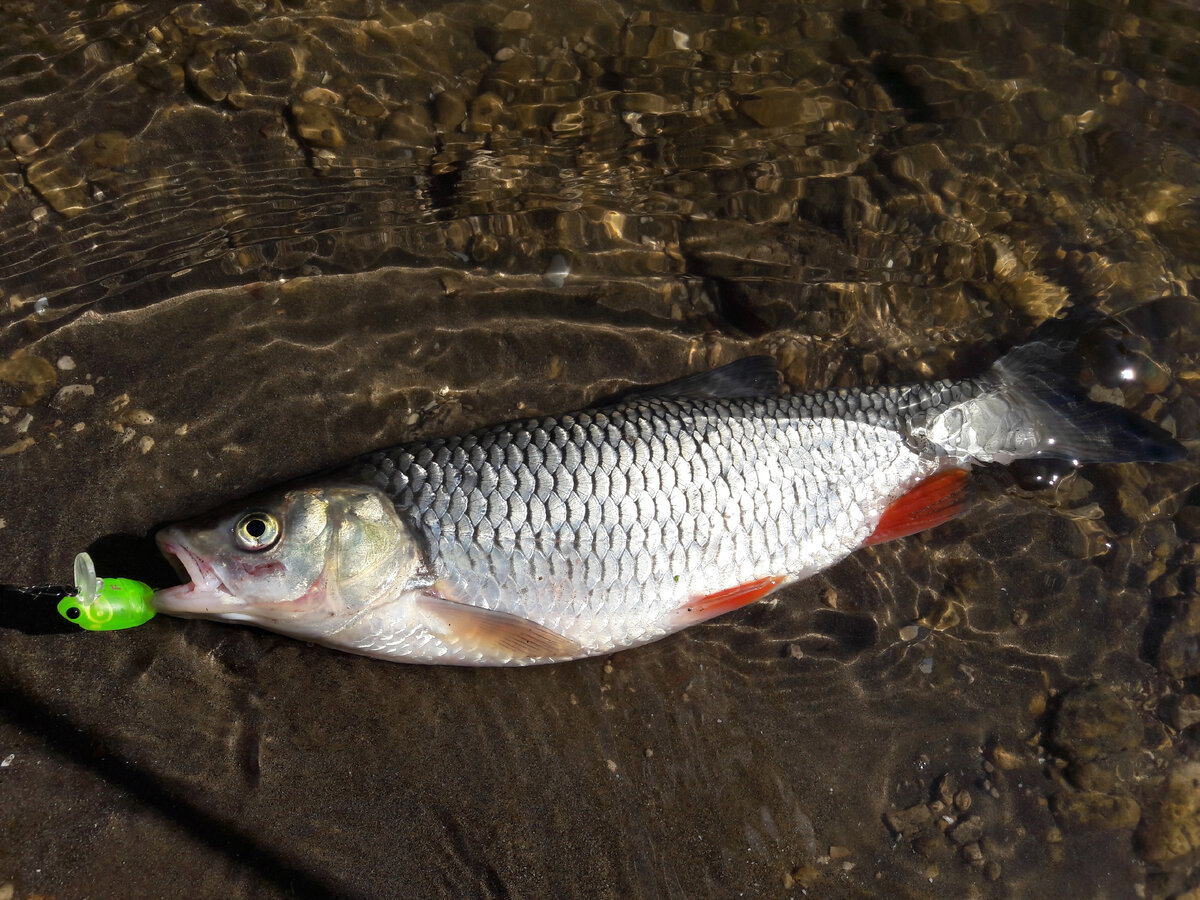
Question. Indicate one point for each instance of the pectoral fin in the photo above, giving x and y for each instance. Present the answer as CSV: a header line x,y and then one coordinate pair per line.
x,y
497,636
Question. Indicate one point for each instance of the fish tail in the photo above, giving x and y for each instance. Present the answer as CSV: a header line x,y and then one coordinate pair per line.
x,y
1030,405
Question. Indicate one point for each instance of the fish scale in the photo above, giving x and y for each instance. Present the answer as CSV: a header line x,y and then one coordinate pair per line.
x,y
683,499
572,535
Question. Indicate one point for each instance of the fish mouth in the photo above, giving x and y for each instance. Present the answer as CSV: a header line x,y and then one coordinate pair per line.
x,y
204,594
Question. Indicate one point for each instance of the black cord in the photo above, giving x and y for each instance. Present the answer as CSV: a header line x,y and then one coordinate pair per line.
x,y
34,609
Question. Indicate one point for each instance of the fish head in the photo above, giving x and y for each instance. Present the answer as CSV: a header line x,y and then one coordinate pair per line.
x,y
305,562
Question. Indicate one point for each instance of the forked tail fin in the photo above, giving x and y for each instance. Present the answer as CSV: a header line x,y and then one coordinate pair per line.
x,y
1027,407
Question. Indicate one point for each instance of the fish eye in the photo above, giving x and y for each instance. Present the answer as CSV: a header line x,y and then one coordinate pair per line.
x,y
256,531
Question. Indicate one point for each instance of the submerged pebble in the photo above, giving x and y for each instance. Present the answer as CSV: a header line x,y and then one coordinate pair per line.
x,y
1094,722
1170,830
18,447
69,393
317,125
25,379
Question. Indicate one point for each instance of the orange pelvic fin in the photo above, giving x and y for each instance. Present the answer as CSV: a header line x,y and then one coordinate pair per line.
x,y
701,609
937,499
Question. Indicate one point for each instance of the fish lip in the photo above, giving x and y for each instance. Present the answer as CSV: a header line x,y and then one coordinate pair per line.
x,y
204,594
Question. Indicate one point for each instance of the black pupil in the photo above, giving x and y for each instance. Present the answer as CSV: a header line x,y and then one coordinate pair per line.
x,y
256,528
73,612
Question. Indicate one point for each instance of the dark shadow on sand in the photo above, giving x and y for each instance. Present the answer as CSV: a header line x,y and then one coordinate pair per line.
x,y
64,737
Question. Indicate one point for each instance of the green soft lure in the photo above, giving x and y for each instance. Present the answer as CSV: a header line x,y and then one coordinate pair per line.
x,y
106,604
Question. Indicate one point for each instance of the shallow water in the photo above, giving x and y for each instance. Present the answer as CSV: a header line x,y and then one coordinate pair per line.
x,y
240,242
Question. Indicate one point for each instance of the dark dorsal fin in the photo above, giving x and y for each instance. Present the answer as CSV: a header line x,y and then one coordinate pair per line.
x,y
754,376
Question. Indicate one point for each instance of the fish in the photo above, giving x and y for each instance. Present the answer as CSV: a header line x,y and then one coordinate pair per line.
x,y
560,537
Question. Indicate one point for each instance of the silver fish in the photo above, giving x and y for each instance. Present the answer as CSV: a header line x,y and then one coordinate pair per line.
x,y
569,536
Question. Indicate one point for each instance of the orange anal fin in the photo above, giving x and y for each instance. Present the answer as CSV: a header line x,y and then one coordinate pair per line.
x,y
701,609
937,499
